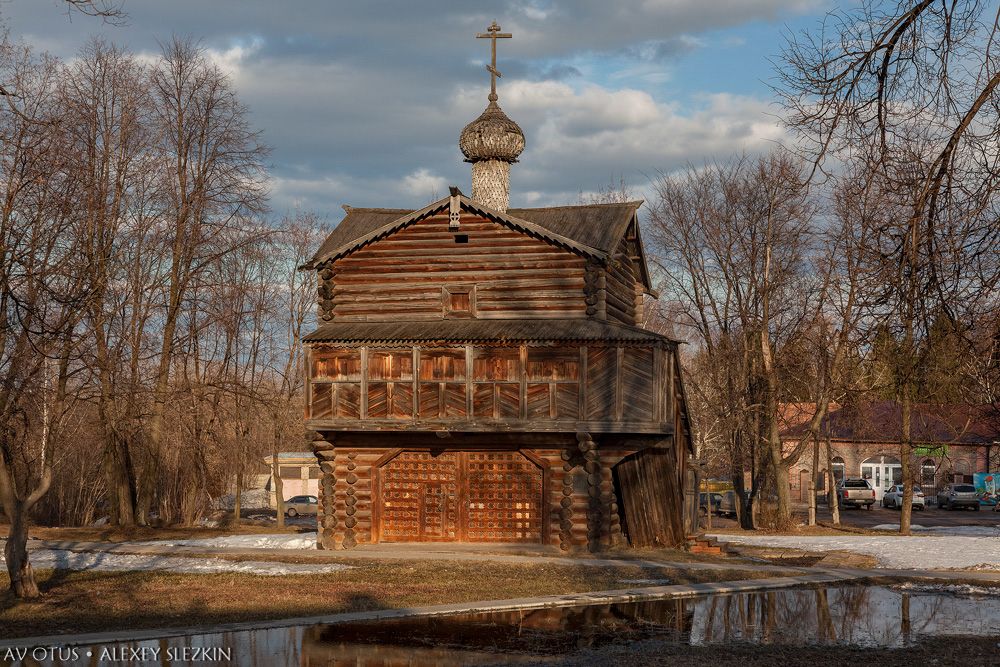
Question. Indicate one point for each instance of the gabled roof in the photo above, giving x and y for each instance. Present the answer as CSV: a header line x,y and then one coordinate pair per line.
x,y
592,230
469,331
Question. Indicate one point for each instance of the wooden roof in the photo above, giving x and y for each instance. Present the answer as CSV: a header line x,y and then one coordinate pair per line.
x,y
468,331
588,229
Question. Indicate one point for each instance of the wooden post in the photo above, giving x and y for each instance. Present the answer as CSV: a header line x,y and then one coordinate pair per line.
x,y
326,519
595,509
350,501
566,503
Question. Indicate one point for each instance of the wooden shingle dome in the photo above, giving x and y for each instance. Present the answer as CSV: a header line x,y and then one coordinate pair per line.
x,y
492,136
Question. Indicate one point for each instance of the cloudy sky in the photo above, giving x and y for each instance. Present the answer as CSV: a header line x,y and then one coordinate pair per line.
x,y
362,101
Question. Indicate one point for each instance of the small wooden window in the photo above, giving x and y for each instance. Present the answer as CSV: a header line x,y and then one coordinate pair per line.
x,y
459,301
442,365
338,366
290,472
390,365
553,365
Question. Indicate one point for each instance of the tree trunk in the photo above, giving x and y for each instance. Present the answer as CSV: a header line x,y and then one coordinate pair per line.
x,y
905,512
812,482
279,488
15,551
834,501
121,481
238,502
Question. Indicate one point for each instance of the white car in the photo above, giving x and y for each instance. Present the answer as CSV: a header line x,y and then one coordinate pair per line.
x,y
893,497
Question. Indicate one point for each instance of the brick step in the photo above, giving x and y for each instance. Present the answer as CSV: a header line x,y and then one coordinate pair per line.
x,y
700,544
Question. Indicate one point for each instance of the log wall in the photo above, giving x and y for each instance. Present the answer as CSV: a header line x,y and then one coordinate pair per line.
x,y
422,273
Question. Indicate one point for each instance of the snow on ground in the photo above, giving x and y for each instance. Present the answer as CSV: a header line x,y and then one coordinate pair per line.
x,y
955,589
69,560
969,531
893,551
263,541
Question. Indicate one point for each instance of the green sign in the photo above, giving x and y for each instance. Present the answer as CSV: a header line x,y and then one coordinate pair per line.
x,y
939,450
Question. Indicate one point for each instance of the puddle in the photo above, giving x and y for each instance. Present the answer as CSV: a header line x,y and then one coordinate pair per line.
x,y
849,615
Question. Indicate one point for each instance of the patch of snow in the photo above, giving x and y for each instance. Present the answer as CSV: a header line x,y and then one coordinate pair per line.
x,y
253,499
262,541
955,589
893,551
103,521
69,560
969,531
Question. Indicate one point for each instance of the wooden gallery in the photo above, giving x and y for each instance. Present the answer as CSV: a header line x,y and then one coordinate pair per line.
x,y
479,375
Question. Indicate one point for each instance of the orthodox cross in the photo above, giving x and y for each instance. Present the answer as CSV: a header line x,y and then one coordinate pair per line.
x,y
493,33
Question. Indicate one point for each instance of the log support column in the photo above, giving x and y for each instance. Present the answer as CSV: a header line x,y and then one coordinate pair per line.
x,y
350,503
566,503
326,519
598,501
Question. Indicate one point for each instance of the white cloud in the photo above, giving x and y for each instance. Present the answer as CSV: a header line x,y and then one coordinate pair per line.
x,y
424,183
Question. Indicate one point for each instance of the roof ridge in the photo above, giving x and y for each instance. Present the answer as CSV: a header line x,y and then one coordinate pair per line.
x,y
636,203
379,208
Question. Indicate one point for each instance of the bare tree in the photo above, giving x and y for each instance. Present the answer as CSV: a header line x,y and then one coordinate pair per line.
x,y
301,234
909,91
213,188
40,293
738,247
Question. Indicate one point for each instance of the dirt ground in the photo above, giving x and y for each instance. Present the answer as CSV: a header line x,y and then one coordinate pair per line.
x,y
91,601
942,651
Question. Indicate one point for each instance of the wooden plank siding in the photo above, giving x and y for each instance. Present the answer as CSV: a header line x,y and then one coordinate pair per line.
x,y
407,275
597,388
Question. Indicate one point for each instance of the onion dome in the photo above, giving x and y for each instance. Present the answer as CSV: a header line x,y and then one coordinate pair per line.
x,y
492,136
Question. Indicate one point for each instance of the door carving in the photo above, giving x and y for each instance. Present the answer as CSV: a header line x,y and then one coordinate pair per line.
x,y
461,496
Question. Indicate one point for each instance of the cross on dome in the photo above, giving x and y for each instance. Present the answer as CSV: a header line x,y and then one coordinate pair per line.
x,y
493,34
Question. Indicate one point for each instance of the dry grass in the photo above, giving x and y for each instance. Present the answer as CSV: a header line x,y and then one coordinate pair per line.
x,y
91,601
114,534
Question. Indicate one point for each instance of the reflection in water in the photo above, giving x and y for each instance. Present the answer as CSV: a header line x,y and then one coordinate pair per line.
x,y
840,615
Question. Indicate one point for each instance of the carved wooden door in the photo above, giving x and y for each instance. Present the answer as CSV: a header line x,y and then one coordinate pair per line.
x,y
504,492
420,497
501,495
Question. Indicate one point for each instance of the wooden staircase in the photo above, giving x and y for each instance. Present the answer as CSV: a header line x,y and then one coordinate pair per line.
x,y
700,544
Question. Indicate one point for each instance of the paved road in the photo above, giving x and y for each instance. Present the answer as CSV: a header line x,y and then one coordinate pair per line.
x,y
929,517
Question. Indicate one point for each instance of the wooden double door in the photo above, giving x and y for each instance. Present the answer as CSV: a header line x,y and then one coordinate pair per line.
x,y
464,496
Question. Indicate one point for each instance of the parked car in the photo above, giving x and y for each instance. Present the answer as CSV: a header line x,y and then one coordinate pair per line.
x,y
894,497
297,505
958,495
855,493
704,498
727,506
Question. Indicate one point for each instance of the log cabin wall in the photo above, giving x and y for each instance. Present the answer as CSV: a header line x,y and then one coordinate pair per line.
x,y
621,285
482,269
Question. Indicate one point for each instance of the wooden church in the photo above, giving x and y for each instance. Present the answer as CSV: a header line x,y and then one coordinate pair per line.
x,y
480,374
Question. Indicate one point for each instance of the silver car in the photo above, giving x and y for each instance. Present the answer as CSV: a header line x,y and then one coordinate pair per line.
x,y
893,497
297,505
958,495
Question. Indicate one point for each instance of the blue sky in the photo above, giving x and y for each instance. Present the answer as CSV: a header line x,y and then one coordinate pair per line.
x,y
363,102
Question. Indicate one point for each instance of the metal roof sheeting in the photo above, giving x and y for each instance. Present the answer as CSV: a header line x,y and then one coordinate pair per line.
x,y
454,331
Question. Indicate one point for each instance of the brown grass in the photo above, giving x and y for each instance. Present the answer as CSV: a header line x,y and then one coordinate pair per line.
x,y
114,534
91,601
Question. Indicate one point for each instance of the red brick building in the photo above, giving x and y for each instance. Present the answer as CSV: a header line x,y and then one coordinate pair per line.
x,y
951,443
